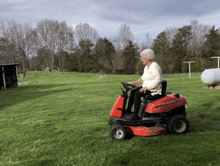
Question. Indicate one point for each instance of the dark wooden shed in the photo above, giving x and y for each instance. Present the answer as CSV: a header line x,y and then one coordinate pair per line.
x,y
8,76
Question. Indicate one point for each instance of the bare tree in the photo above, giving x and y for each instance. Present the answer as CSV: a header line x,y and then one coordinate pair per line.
x,y
24,39
125,35
170,35
117,44
147,43
63,36
46,38
120,43
8,47
18,37
199,32
56,37
85,32
118,62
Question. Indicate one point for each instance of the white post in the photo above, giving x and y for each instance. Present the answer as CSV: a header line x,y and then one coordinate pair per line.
x,y
17,73
190,67
218,59
189,71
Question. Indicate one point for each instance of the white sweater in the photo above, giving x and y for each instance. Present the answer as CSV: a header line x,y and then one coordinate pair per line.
x,y
152,78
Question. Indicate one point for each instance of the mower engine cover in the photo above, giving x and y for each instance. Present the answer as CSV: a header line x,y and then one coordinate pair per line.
x,y
166,104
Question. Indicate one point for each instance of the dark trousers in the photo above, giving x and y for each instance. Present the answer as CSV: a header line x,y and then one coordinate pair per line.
x,y
135,98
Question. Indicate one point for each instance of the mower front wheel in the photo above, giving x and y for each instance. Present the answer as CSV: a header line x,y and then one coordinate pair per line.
x,y
177,125
118,132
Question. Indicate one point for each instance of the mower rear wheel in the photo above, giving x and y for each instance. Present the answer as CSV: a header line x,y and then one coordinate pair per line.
x,y
177,125
118,132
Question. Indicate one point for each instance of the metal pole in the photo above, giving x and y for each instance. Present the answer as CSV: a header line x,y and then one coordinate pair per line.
x,y
3,75
218,60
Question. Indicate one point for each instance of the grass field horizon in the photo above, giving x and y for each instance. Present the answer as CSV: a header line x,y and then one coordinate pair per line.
x,y
62,119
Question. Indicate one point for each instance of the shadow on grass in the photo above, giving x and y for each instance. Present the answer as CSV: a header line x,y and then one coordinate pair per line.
x,y
24,93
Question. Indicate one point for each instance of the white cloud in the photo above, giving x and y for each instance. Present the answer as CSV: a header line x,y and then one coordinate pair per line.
x,y
9,2
210,19
152,16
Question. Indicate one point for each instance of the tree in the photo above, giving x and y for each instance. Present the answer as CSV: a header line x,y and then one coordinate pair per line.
x,y
44,57
56,37
47,39
66,61
180,46
212,43
8,51
131,57
171,34
125,35
148,43
104,54
161,47
212,47
64,39
85,32
199,32
22,39
85,56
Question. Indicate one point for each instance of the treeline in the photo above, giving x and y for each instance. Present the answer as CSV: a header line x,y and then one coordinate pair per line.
x,y
194,42
55,45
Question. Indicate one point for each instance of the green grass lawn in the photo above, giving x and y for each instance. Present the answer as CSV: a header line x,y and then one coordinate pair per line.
x,y
62,119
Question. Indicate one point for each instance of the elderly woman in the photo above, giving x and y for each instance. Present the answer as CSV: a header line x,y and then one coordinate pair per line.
x,y
151,82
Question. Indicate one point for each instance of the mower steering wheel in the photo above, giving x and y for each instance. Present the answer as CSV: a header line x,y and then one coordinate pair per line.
x,y
128,86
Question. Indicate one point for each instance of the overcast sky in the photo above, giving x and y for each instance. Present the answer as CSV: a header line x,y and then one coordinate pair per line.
x,y
106,16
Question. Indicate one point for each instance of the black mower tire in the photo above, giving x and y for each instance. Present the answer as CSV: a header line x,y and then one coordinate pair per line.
x,y
177,124
118,132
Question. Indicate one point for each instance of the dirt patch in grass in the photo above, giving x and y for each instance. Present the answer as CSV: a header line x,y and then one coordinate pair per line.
x,y
124,162
203,116
217,87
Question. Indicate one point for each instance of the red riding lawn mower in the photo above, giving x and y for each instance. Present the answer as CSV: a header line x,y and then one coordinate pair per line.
x,y
159,113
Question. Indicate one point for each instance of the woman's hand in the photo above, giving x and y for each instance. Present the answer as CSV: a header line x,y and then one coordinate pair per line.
x,y
132,83
143,89
136,82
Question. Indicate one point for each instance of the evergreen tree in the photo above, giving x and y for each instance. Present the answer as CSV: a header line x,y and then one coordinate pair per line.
x,y
131,57
104,52
161,48
212,44
211,47
180,47
86,52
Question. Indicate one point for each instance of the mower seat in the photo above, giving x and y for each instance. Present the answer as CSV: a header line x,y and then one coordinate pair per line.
x,y
164,88
163,92
149,98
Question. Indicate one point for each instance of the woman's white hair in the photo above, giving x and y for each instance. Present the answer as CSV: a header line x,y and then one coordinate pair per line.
x,y
148,53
